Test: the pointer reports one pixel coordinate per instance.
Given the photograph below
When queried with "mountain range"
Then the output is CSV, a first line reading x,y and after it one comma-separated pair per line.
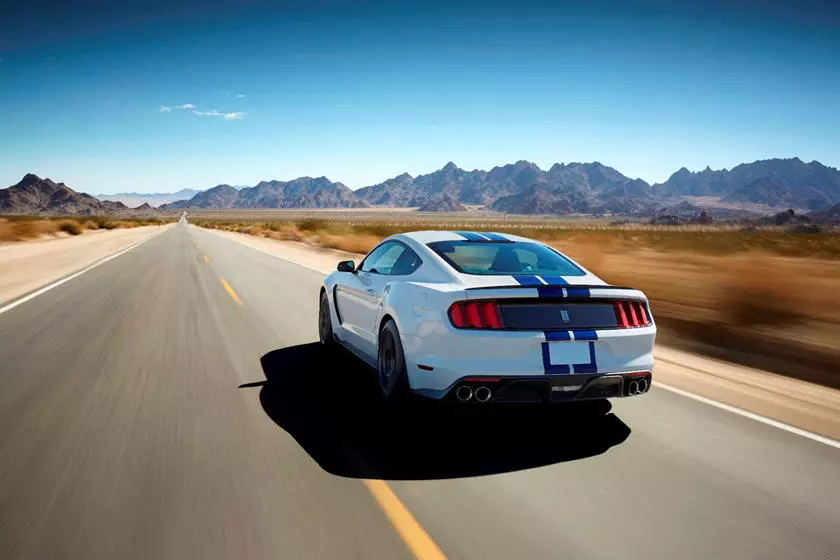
x,y
774,182
134,199
33,195
763,186
524,188
303,192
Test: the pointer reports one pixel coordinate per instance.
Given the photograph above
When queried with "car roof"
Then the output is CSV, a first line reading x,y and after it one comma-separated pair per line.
x,y
431,236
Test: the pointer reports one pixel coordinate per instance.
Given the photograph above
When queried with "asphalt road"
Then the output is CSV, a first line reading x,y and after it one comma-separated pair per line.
x,y
170,403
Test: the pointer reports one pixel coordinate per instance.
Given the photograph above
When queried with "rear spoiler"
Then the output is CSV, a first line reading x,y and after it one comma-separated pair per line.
x,y
574,292
519,286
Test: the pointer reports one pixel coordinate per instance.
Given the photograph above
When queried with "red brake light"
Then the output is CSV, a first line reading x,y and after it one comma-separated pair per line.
x,y
620,316
643,314
492,316
474,318
475,315
457,316
630,314
634,320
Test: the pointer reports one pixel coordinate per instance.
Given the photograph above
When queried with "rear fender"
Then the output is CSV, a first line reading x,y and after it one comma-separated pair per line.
x,y
419,309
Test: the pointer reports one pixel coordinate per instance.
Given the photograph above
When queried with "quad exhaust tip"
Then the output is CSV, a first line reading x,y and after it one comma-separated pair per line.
x,y
464,393
483,394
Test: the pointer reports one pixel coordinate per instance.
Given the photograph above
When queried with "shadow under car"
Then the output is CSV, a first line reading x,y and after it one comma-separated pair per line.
x,y
329,403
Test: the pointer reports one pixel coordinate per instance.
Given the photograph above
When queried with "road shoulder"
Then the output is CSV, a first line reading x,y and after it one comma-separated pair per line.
x,y
29,265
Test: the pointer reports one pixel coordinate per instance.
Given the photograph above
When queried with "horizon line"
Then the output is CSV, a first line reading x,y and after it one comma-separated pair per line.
x,y
242,186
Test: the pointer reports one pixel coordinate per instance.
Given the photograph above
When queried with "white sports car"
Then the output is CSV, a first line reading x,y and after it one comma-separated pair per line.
x,y
487,317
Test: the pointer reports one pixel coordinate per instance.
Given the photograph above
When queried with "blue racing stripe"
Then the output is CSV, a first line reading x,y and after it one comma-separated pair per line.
x,y
591,367
558,335
528,280
578,292
546,357
586,335
494,236
470,236
550,292
554,280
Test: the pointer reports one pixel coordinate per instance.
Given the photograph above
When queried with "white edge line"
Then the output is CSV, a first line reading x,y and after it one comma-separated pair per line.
x,y
752,416
76,274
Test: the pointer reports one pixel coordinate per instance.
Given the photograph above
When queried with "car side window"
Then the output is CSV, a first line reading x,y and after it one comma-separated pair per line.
x,y
382,259
407,263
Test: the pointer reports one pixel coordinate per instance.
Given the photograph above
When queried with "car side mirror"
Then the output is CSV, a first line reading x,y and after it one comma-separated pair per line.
x,y
347,266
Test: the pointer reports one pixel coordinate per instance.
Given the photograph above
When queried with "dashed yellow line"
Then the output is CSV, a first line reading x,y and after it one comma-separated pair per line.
x,y
415,537
230,291
206,259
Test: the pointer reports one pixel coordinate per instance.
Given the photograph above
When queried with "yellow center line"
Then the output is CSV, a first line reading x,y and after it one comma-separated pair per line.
x,y
230,291
417,539
206,258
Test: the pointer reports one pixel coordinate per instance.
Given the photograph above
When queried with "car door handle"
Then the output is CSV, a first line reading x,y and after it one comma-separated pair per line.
x,y
370,290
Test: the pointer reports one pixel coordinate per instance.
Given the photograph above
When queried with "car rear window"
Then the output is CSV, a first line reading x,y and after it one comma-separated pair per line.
x,y
504,258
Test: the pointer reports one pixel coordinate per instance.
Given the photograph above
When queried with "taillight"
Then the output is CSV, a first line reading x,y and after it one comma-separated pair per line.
x,y
630,314
475,315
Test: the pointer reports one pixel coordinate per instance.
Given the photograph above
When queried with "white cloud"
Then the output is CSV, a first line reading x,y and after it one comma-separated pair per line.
x,y
239,95
165,109
186,106
227,116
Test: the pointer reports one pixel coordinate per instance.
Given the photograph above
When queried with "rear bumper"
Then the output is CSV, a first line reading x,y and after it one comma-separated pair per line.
x,y
544,389
435,363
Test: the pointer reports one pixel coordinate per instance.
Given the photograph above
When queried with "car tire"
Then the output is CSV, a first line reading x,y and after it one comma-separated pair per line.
x,y
325,330
390,363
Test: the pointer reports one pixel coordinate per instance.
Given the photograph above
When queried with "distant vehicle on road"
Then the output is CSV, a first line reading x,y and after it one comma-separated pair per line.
x,y
487,317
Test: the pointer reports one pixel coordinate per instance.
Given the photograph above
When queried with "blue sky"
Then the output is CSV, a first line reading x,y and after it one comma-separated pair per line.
x,y
361,92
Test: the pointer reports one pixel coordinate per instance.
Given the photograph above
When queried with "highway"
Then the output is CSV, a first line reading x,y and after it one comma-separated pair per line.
x,y
172,403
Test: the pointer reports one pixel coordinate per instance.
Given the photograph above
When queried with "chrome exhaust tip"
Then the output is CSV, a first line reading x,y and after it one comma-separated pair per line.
x,y
633,388
483,394
643,385
464,393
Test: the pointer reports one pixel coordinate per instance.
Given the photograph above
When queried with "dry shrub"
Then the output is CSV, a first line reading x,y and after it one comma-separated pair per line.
x,y
349,243
90,224
765,290
312,224
284,233
20,229
70,226
591,255
381,230
257,231
7,232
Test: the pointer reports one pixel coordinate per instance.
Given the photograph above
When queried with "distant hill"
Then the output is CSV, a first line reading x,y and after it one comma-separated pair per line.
x,y
785,183
134,199
303,192
33,195
443,203
520,187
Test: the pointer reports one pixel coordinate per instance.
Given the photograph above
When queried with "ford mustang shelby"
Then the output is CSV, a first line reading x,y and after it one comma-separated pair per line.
x,y
481,317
